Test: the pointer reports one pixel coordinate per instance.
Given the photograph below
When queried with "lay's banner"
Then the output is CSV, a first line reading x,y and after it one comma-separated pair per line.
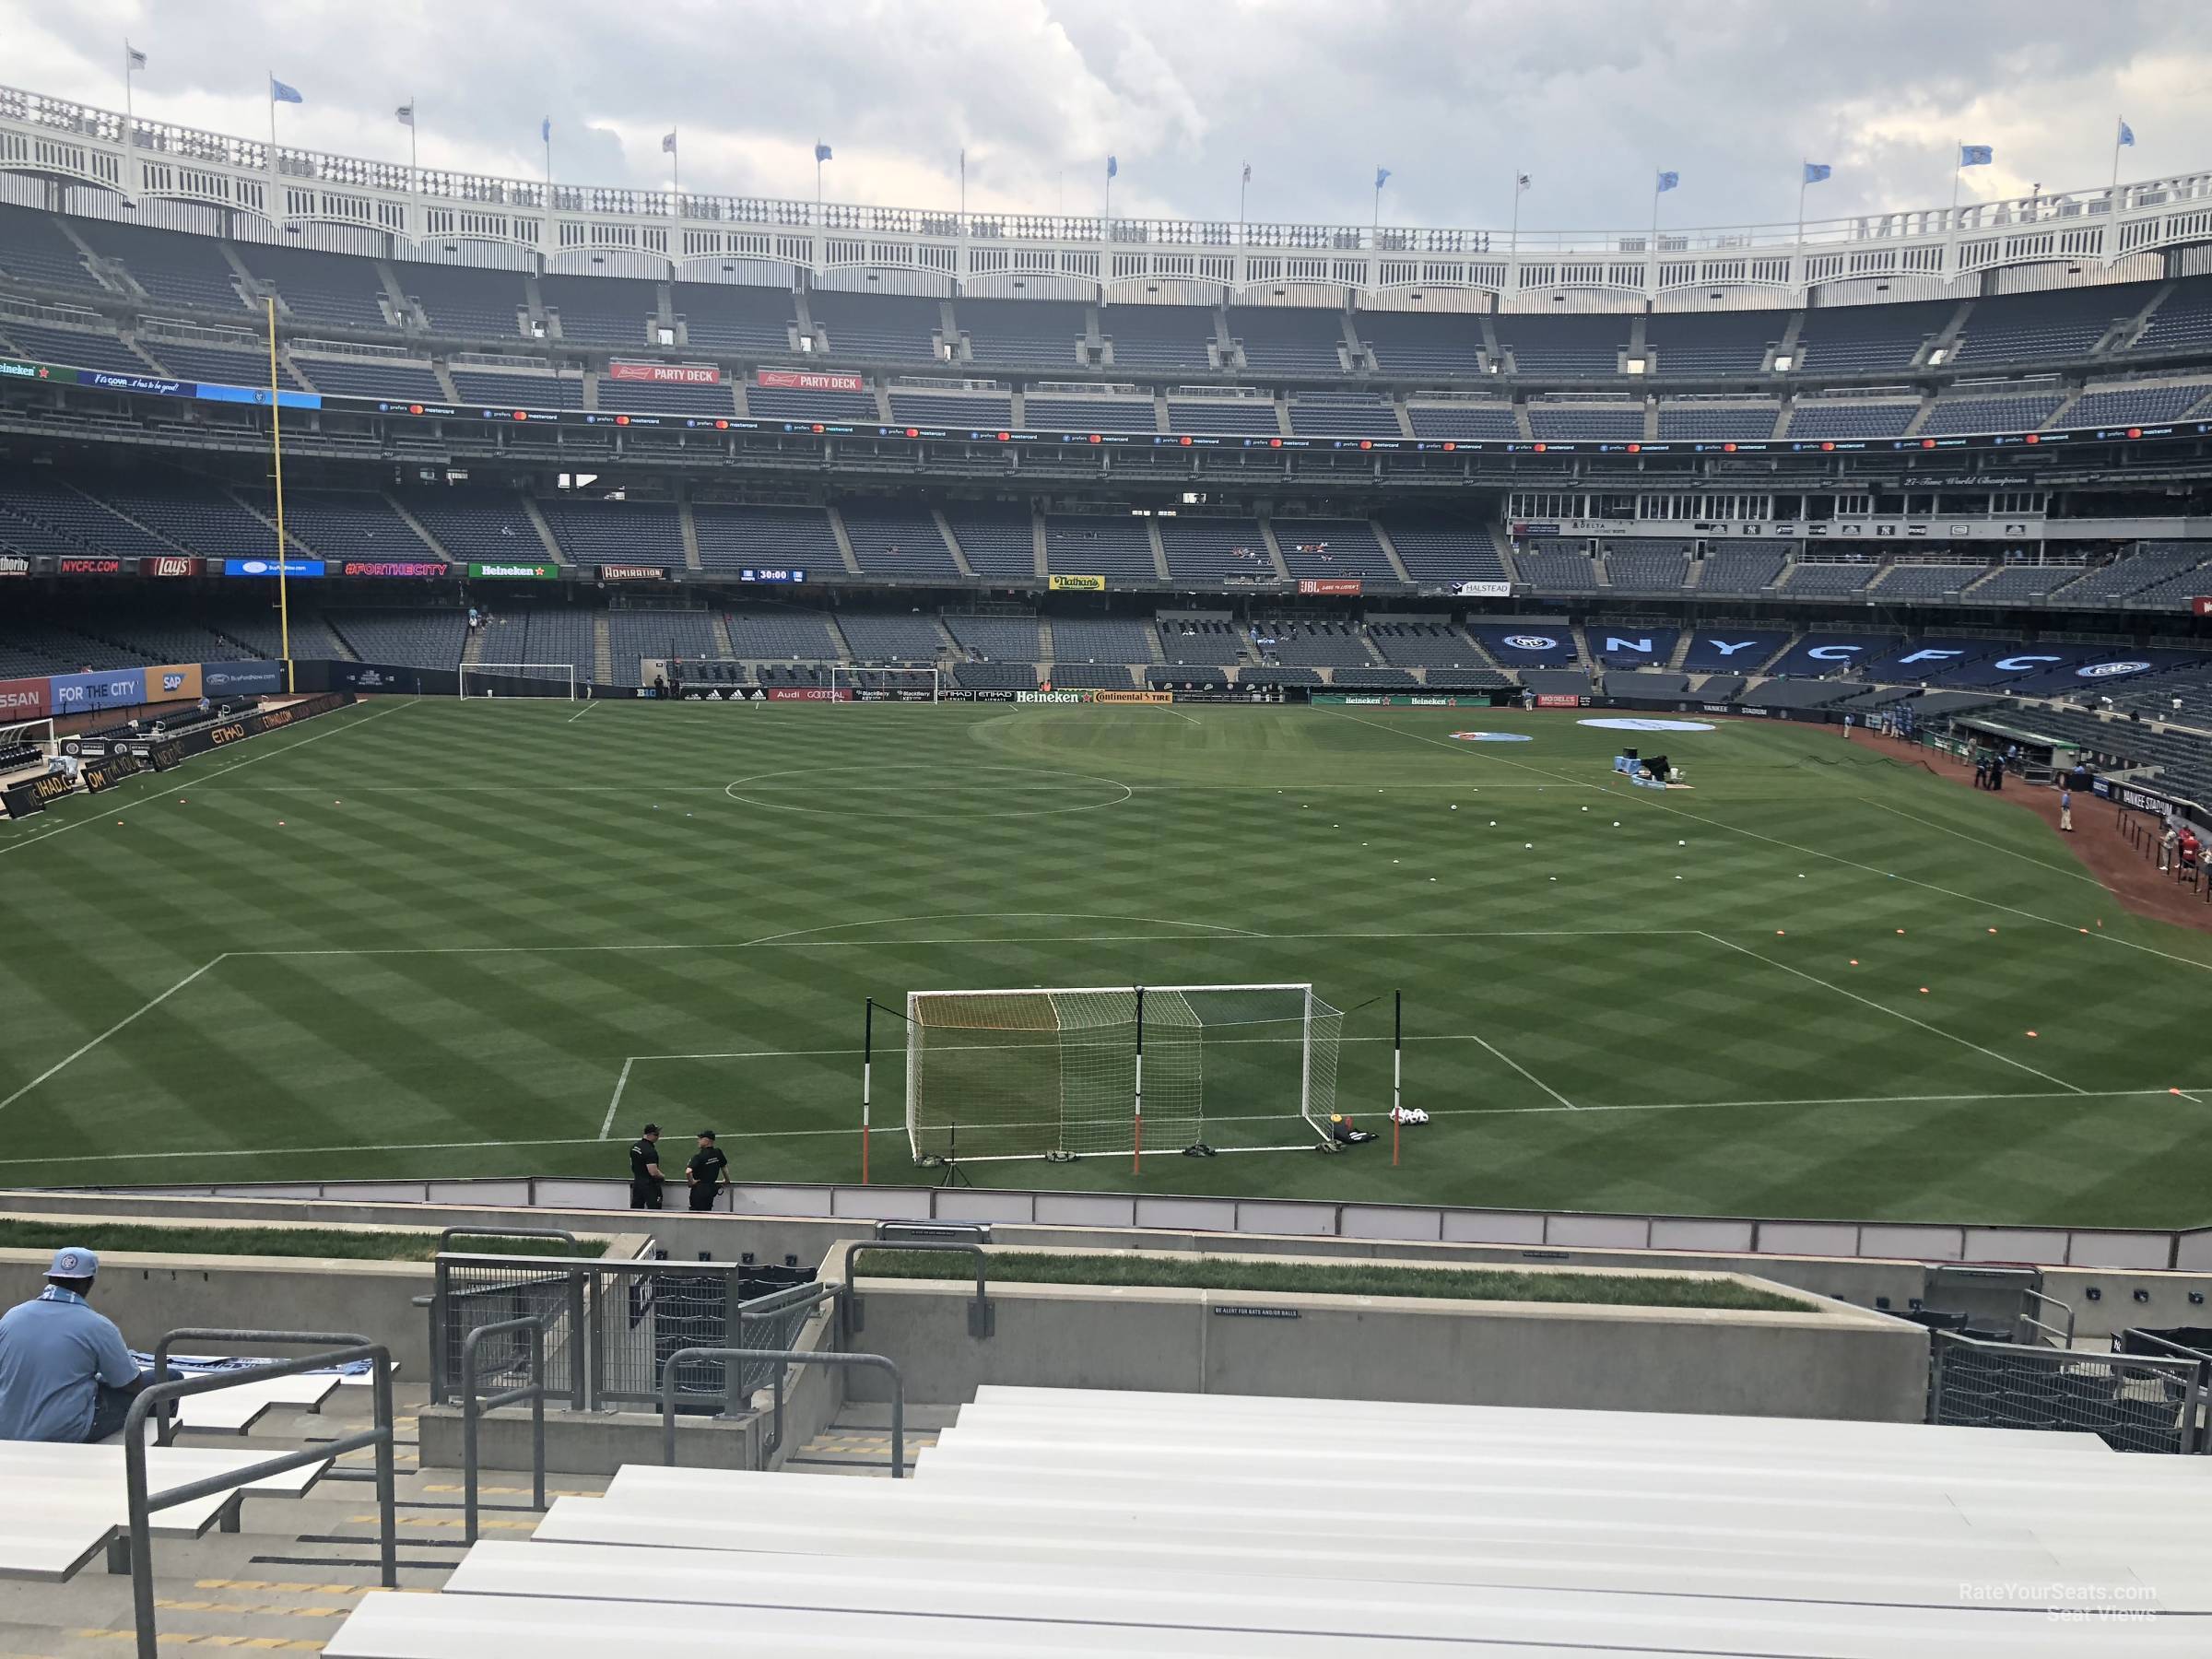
x,y
1077,584
103,688
173,682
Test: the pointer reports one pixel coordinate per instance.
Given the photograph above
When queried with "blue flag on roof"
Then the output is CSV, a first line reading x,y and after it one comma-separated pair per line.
x,y
280,93
1668,180
545,130
1976,155
821,152
2127,134
1113,167
1816,172
1382,177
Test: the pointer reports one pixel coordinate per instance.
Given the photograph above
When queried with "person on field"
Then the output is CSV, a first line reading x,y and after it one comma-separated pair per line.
x,y
645,1170
2066,807
66,1373
708,1172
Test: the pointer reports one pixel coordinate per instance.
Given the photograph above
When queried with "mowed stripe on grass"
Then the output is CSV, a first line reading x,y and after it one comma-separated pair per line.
x,y
494,884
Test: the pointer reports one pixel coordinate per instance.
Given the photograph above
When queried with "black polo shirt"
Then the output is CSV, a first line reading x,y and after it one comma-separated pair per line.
x,y
643,1154
707,1165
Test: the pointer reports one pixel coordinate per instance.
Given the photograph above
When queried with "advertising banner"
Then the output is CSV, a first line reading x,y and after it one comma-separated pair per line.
x,y
2135,797
1053,697
173,681
104,689
1399,699
384,676
106,773
1329,584
411,568
168,566
25,699
793,380
2202,604
808,694
1559,699
89,567
293,568
14,564
972,694
49,788
1482,590
665,374
232,679
632,574
1132,697
1075,584
528,572
21,800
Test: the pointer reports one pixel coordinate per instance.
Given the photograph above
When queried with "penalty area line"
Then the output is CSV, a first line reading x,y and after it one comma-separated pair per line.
x,y
143,1009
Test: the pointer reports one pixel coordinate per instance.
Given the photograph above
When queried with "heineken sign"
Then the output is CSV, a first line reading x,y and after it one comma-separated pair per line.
x,y
534,572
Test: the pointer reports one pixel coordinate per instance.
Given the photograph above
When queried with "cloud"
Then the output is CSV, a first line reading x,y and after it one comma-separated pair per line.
x,y
1589,96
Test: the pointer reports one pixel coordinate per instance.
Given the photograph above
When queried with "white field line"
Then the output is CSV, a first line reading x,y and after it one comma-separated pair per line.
x,y
145,1008
1523,1070
621,1083
142,800
899,1128
590,704
1894,1013
715,789
1639,800
1985,846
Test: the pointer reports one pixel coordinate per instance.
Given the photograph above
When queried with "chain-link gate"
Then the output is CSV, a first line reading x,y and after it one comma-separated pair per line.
x,y
2133,1402
472,1291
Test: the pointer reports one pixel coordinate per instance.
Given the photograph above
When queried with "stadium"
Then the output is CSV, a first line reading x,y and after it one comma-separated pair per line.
x,y
1334,778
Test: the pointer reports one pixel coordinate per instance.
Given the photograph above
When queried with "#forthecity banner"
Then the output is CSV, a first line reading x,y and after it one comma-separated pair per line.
x,y
667,374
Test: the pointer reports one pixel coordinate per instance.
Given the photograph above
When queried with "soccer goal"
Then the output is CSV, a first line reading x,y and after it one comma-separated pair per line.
x,y
883,685
1123,1069
519,679
30,734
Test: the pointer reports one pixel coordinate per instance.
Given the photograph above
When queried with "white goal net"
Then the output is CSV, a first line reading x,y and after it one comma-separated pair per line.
x,y
1089,1071
518,679
883,685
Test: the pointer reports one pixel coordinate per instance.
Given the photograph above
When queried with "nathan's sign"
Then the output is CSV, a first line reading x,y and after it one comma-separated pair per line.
x,y
1075,584
632,574
794,380
667,374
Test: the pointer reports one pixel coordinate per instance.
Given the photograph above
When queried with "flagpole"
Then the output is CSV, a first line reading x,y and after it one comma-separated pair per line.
x,y
963,188
675,163
1514,245
272,74
413,163
284,610
1958,175
131,178
546,132
2117,129
1803,181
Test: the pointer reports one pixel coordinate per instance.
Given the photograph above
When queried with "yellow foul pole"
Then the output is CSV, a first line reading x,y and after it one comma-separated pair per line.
x,y
284,610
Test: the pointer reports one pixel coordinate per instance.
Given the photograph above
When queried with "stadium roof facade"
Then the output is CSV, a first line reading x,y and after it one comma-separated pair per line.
x,y
61,154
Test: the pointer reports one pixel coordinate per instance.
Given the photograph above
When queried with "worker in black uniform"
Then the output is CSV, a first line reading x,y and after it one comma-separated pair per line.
x,y
645,1170
708,1172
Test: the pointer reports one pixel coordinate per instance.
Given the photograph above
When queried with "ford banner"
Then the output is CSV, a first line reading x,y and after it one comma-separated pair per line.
x,y
231,679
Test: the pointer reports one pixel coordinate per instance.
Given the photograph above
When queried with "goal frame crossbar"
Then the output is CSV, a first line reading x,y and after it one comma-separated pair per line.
x,y
851,676
515,671
1305,1112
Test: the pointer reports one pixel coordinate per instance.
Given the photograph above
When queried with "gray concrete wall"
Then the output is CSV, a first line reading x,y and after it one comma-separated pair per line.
x,y
587,1442
1834,1362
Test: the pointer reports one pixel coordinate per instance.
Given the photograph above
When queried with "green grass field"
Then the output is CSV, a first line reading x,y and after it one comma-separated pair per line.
x,y
434,938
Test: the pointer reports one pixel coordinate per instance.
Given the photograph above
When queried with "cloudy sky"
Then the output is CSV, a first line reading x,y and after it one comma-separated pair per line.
x,y
1588,96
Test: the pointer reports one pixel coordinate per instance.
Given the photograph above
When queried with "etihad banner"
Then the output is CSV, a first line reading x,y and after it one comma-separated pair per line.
x,y
172,682
1329,584
25,698
1132,697
1075,584
21,800
792,380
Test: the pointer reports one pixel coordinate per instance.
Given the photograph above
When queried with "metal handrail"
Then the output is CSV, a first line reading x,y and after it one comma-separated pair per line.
x,y
142,1503
783,1357
980,1319
2061,1337
2200,1428
165,1431
473,1408
450,1233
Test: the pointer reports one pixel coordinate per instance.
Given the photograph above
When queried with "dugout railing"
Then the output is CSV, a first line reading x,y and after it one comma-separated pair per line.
x,y
2142,1402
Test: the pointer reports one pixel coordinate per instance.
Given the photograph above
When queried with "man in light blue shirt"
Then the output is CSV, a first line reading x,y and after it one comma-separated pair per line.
x,y
65,1372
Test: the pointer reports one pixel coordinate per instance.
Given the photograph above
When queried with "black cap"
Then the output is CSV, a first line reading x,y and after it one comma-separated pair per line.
x,y
653,1129
706,1134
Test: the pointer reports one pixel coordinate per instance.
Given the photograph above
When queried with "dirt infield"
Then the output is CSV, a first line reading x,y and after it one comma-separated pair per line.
x,y
2097,841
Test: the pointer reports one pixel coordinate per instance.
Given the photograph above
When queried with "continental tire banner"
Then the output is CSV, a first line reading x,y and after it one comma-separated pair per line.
x,y
172,682
1075,584
1329,584
1132,697
105,774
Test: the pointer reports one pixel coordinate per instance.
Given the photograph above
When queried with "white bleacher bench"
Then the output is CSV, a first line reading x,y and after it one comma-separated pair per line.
x,y
64,1502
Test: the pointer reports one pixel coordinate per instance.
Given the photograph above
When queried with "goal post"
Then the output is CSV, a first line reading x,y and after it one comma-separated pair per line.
x,y
30,734
850,684
519,679
1115,1070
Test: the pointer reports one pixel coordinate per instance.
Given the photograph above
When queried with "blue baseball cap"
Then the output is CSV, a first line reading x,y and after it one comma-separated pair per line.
x,y
75,1261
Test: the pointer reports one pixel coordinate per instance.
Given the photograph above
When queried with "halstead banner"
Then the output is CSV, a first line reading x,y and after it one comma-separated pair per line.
x,y
667,374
